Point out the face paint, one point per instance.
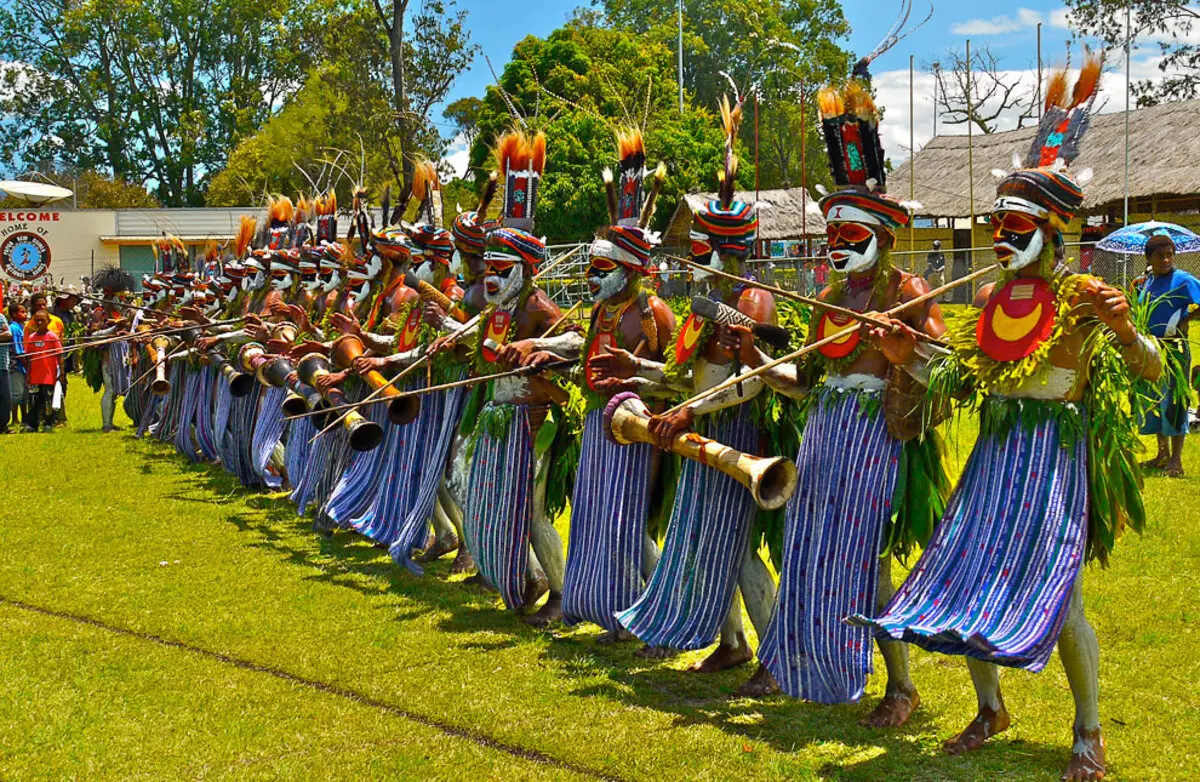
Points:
(281, 282)
(605, 285)
(456, 264)
(500, 287)
(853, 247)
(374, 266)
(1016, 239)
(332, 282)
(425, 272)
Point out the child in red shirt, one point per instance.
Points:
(43, 359)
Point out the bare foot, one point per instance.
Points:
(463, 562)
(760, 685)
(534, 589)
(725, 657)
(478, 580)
(649, 652)
(893, 711)
(1157, 463)
(616, 637)
(1087, 756)
(438, 549)
(1173, 470)
(548, 614)
(987, 723)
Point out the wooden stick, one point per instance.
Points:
(734, 380)
(843, 311)
(128, 337)
(427, 355)
(165, 360)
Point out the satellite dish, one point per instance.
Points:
(34, 192)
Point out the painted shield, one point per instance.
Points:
(831, 323)
(496, 331)
(688, 341)
(601, 341)
(1017, 319)
(407, 338)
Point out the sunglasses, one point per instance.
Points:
(847, 233)
(1013, 222)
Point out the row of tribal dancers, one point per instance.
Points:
(474, 471)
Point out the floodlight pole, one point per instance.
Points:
(970, 166)
(912, 167)
(681, 56)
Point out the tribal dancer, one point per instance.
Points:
(109, 319)
(846, 520)
(708, 552)
(610, 552)
(506, 510)
(1052, 480)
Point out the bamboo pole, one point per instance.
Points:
(736, 379)
(129, 337)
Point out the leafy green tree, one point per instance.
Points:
(1171, 21)
(154, 92)
(464, 115)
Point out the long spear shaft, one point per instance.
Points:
(732, 381)
(165, 360)
(450, 340)
(128, 337)
(843, 311)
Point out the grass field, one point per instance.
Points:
(156, 621)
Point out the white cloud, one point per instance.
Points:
(892, 94)
(999, 25)
(457, 156)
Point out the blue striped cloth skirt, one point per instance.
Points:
(235, 452)
(439, 430)
(118, 352)
(297, 434)
(690, 593)
(846, 473)
(608, 526)
(304, 482)
(172, 406)
(365, 477)
(995, 580)
(206, 430)
(499, 511)
(268, 431)
(185, 445)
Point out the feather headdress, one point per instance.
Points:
(521, 160)
(731, 120)
(326, 209)
(427, 188)
(244, 237)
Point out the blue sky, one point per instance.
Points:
(1007, 27)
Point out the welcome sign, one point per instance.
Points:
(25, 243)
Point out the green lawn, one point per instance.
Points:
(399, 677)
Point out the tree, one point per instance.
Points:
(579, 85)
(153, 92)
(994, 95)
(464, 115)
(1170, 21)
(426, 57)
(744, 38)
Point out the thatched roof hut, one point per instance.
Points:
(780, 215)
(1164, 164)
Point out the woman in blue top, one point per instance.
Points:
(1173, 294)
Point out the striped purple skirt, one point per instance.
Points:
(608, 527)
(364, 476)
(499, 511)
(690, 593)
(118, 353)
(846, 472)
(995, 581)
(185, 444)
(206, 432)
(268, 431)
(439, 431)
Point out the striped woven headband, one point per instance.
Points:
(468, 233)
(737, 221)
(513, 244)
(435, 242)
(889, 212)
(1054, 190)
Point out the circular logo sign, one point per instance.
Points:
(24, 256)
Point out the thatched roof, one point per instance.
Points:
(1164, 160)
(779, 215)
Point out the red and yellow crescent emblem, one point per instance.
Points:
(1017, 319)
(689, 338)
(407, 338)
(831, 323)
(496, 331)
(599, 343)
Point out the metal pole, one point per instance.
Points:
(970, 167)
(680, 56)
(1039, 71)
(1128, 36)
(804, 172)
(756, 147)
(937, 78)
(912, 163)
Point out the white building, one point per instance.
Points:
(69, 244)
